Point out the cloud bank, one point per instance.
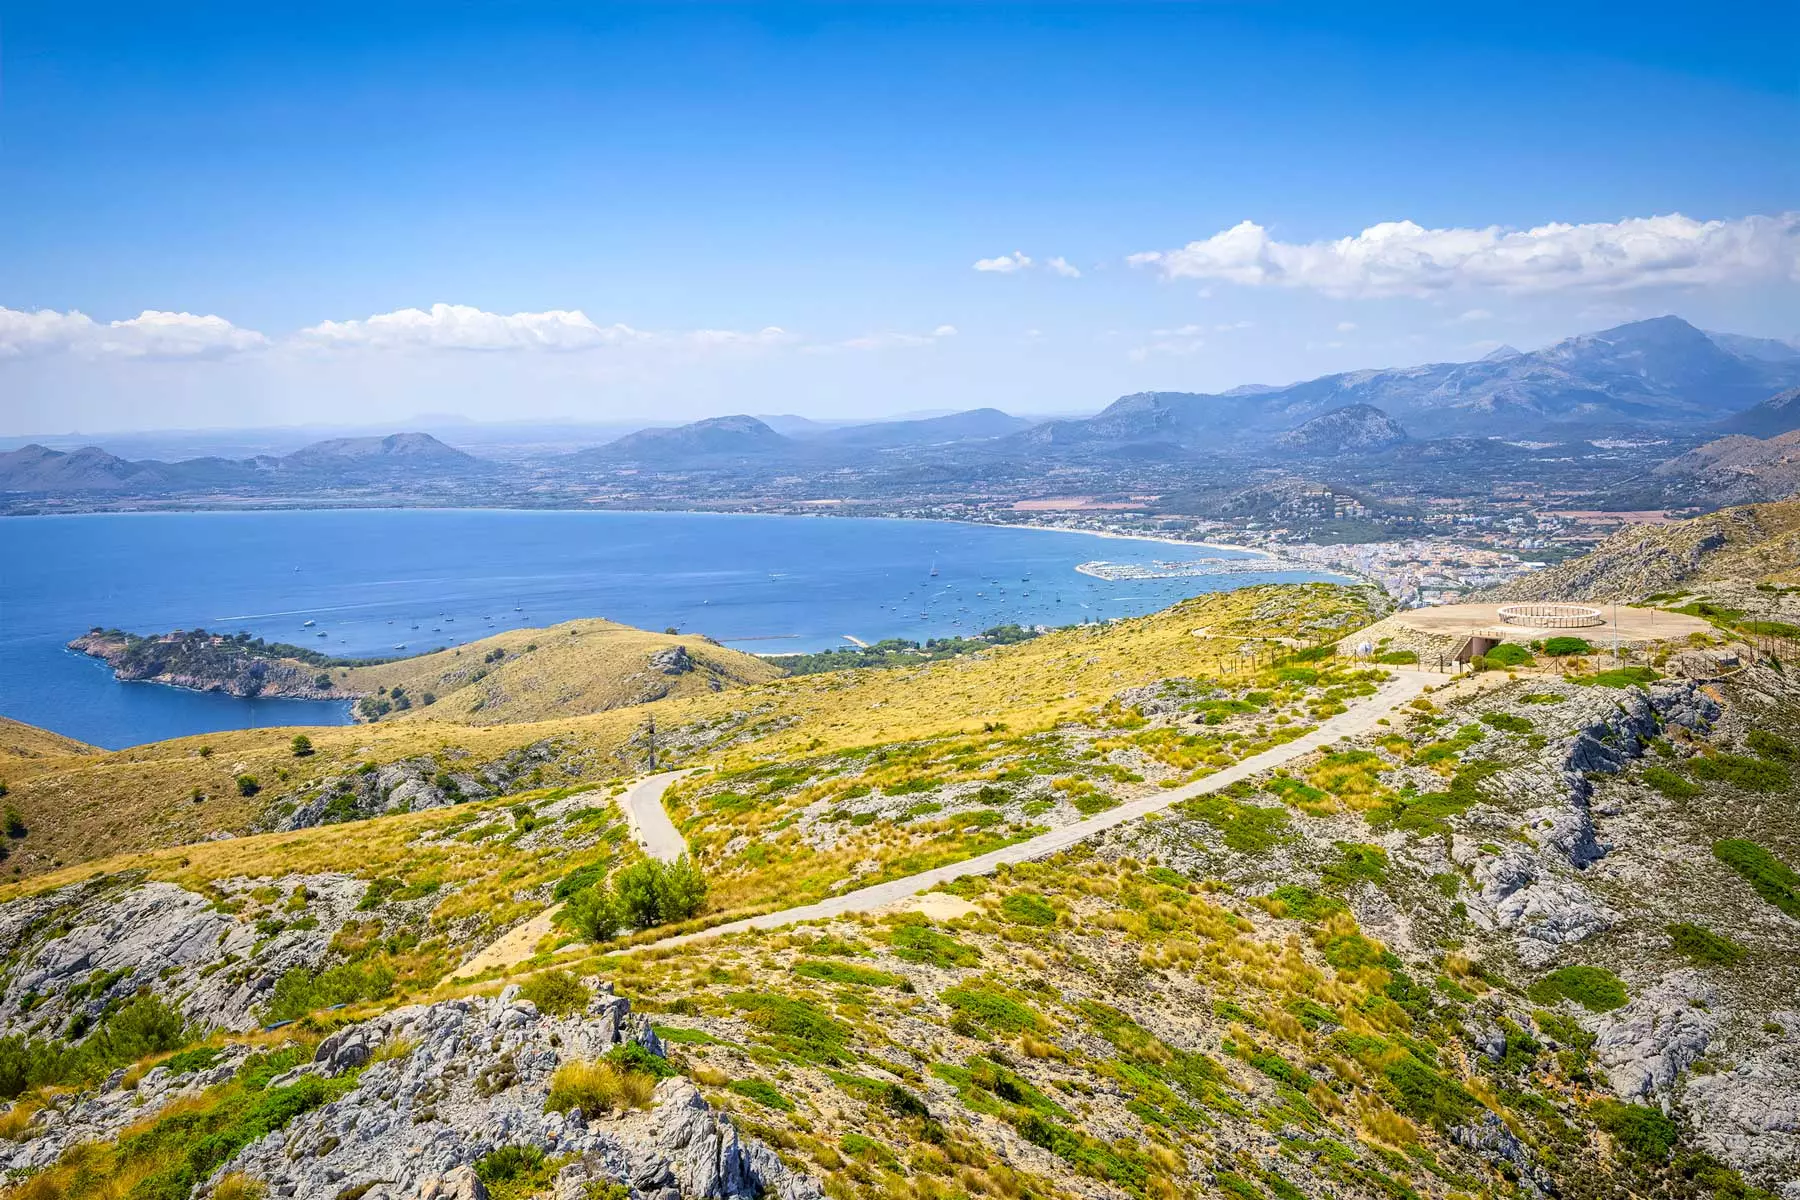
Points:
(149, 335)
(1401, 258)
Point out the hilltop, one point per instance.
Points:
(1748, 545)
(521, 675)
(563, 670)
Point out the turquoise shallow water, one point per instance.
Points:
(370, 580)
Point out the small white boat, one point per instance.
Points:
(307, 624)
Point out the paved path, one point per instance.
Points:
(1400, 690)
(649, 821)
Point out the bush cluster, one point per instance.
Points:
(643, 895)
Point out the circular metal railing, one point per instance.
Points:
(1552, 616)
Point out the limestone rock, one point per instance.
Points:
(1646, 1045)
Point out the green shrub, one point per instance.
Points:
(15, 823)
(1248, 828)
(993, 1010)
(633, 1057)
(1618, 677)
(247, 785)
(1564, 647)
(302, 745)
(762, 1092)
(300, 991)
(512, 1172)
(1669, 783)
(578, 880)
(1704, 946)
(1764, 744)
(1751, 774)
(917, 942)
(1398, 658)
(794, 1026)
(1594, 988)
(1304, 904)
(847, 973)
(1356, 863)
(654, 893)
(1643, 1133)
(594, 913)
(1028, 908)
(1507, 722)
(556, 993)
(1773, 879)
(1508, 654)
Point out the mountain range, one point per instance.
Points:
(1658, 376)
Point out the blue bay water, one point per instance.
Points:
(370, 580)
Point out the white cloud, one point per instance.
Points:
(1177, 342)
(1062, 266)
(1474, 314)
(889, 340)
(151, 334)
(1400, 258)
(1346, 326)
(1005, 264)
(464, 327)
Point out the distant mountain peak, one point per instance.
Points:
(1501, 353)
(1352, 429)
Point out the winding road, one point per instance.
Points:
(653, 829)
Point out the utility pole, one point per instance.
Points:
(650, 738)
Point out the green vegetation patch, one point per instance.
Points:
(1670, 784)
(1357, 863)
(142, 1025)
(1618, 677)
(1508, 654)
(1564, 647)
(794, 1026)
(1703, 946)
(846, 973)
(516, 1172)
(1028, 908)
(1247, 828)
(917, 942)
(1773, 879)
(1508, 722)
(1594, 988)
(994, 1010)
(1751, 774)
(761, 1092)
(300, 991)
(1304, 904)
(1643, 1133)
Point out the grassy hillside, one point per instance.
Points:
(562, 671)
(19, 740)
(183, 790)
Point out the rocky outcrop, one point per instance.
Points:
(672, 660)
(70, 1119)
(1646, 1045)
(77, 949)
(443, 1085)
(407, 785)
(1534, 889)
(1750, 1115)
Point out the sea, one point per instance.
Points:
(386, 582)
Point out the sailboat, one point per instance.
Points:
(934, 568)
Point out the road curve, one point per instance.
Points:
(649, 821)
(1401, 689)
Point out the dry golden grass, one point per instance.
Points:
(19, 740)
(565, 670)
(597, 1087)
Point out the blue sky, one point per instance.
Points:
(780, 208)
